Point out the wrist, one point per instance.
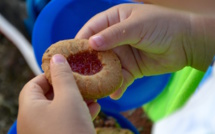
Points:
(201, 41)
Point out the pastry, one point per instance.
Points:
(112, 131)
(97, 73)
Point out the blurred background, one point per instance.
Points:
(14, 72)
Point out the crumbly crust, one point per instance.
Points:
(112, 131)
(96, 86)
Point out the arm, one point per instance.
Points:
(198, 6)
(202, 40)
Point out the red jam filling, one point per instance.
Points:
(86, 63)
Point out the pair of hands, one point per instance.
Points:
(148, 39)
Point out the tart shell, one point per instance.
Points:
(98, 85)
(106, 130)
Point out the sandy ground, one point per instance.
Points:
(14, 72)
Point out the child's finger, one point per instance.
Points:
(35, 89)
(100, 22)
(64, 85)
(128, 79)
(122, 33)
(94, 109)
(111, 28)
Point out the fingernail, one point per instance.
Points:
(117, 94)
(97, 40)
(97, 109)
(58, 59)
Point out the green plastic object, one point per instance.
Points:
(181, 86)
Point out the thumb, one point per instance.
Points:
(63, 82)
(66, 91)
(122, 33)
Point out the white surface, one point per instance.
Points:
(21, 43)
(196, 117)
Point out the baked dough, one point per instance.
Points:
(112, 131)
(92, 86)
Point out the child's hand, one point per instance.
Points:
(155, 36)
(66, 113)
(148, 39)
